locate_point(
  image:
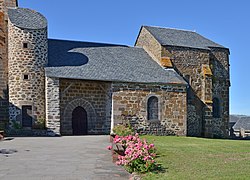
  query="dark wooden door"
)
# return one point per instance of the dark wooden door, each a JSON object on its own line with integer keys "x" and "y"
{"x": 27, "y": 116}
{"x": 79, "y": 121}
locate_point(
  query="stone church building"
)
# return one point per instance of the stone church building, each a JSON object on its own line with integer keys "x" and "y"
{"x": 172, "y": 82}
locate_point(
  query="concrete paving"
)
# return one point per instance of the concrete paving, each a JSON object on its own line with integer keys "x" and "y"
{"x": 58, "y": 158}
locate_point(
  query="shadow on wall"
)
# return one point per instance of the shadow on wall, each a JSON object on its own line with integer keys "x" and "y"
{"x": 198, "y": 115}
{"x": 70, "y": 58}
{"x": 4, "y": 113}
{"x": 195, "y": 122}
{"x": 64, "y": 52}
{"x": 25, "y": 123}
{"x": 195, "y": 114}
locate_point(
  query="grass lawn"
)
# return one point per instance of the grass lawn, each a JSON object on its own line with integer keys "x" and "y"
{"x": 198, "y": 158}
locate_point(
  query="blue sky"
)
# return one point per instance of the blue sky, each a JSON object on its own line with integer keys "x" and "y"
{"x": 223, "y": 21}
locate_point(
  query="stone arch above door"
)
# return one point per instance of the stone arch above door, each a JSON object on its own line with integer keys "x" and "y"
{"x": 66, "y": 123}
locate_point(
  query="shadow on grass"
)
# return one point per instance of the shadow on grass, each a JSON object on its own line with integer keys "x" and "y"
{"x": 230, "y": 138}
{"x": 159, "y": 169}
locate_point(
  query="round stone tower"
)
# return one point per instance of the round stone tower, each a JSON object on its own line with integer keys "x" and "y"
{"x": 28, "y": 55}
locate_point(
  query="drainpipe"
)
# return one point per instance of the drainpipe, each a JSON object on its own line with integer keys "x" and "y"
{"x": 112, "y": 115}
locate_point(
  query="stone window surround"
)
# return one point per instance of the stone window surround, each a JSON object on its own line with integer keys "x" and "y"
{"x": 79, "y": 101}
{"x": 25, "y": 45}
{"x": 152, "y": 108}
{"x": 159, "y": 107}
{"x": 26, "y": 77}
{"x": 26, "y": 72}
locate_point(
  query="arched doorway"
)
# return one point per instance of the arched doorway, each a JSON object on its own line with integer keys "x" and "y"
{"x": 79, "y": 121}
{"x": 66, "y": 119}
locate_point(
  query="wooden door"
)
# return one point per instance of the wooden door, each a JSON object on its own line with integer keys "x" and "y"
{"x": 27, "y": 116}
{"x": 79, "y": 121}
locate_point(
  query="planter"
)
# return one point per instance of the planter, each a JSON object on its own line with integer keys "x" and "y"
{"x": 117, "y": 150}
{"x": 111, "y": 138}
{"x": 115, "y": 155}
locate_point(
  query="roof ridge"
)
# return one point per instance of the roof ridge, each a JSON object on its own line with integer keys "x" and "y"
{"x": 79, "y": 41}
{"x": 182, "y": 38}
{"x": 107, "y": 47}
{"x": 194, "y": 31}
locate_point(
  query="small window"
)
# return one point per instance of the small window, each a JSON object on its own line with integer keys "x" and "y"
{"x": 25, "y": 45}
{"x": 216, "y": 108}
{"x": 152, "y": 108}
{"x": 25, "y": 76}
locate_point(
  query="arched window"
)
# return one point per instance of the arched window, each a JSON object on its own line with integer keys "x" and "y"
{"x": 216, "y": 108}
{"x": 152, "y": 108}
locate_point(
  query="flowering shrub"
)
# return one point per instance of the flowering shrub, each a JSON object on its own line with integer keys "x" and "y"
{"x": 138, "y": 156}
{"x": 123, "y": 130}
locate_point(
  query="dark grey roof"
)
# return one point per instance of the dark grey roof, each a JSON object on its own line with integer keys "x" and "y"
{"x": 59, "y": 51}
{"x": 27, "y": 18}
{"x": 243, "y": 122}
{"x": 106, "y": 63}
{"x": 183, "y": 38}
{"x": 235, "y": 117}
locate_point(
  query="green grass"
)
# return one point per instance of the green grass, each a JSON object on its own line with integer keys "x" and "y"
{"x": 198, "y": 158}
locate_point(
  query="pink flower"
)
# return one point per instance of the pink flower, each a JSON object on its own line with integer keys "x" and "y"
{"x": 136, "y": 151}
{"x": 109, "y": 147}
{"x": 151, "y": 145}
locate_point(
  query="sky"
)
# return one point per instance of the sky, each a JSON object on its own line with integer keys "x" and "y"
{"x": 115, "y": 21}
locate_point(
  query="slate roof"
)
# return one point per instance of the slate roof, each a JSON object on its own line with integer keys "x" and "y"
{"x": 235, "y": 117}
{"x": 106, "y": 62}
{"x": 183, "y": 38}
{"x": 27, "y": 18}
{"x": 243, "y": 122}
{"x": 59, "y": 51}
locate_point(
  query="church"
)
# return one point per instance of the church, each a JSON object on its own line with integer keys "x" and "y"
{"x": 172, "y": 82}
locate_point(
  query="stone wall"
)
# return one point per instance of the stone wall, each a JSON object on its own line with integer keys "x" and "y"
{"x": 221, "y": 83}
{"x": 26, "y": 72}
{"x": 11, "y": 3}
{"x": 94, "y": 97}
{"x": 52, "y": 94}
{"x": 4, "y": 114}
{"x": 4, "y": 4}
{"x": 130, "y": 104}
{"x": 208, "y": 75}
{"x": 189, "y": 62}
{"x": 149, "y": 44}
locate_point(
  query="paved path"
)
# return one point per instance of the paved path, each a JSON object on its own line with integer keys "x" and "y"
{"x": 59, "y": 158}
